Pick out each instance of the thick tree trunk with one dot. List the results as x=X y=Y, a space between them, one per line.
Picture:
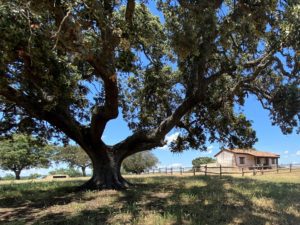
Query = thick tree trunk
x=17 y=174
x=106 y=173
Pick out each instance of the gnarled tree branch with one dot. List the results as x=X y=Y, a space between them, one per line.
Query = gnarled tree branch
x=141 y=141
x=56 y=116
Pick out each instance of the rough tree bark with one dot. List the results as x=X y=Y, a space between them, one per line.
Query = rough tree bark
x=106 y=171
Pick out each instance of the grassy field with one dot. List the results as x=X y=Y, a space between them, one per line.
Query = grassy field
x=268 y=199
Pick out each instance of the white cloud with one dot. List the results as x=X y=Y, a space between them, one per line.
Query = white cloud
x=286 y=152
x=165 y=147
x=210 y=149
x=169 y=139
x=172 y=137
x=298 y=153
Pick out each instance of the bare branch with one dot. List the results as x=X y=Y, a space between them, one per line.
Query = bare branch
x=56 y=35
x=259 y=65
x=259 y=61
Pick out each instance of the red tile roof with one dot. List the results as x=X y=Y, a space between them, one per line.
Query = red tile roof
x=250 y=152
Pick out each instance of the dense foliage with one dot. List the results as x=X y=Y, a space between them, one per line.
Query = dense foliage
x=202 y=160
x=22 y=152
x=139 y=162
x=68 y=67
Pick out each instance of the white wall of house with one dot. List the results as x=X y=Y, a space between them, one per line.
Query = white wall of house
x=271 y=163
x=248 y=160
x=225 y=159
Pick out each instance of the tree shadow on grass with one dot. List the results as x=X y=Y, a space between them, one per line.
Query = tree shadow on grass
x=190 y=200
x=22 y=196
x=20 y=201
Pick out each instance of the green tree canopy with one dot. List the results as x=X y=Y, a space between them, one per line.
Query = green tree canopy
x=202 y=160
x=22 y=152
x=68 y=67
x=74 y=156
x=139 y=162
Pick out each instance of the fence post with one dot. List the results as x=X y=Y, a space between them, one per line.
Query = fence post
x=290 y=168
x=159 y=171
x=153 y=171
x=262 y=170
x=180 y=171
x=194 y=171
x=171 y=170
x=242 y=171
x=220 y=171
x=205 y=173
x=166 y=170
x=254 y=171
x=277 y=168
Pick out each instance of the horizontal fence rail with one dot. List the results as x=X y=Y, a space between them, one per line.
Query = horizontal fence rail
x=224 y=170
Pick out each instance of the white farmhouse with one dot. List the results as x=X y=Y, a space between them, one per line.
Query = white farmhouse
x=246 y=158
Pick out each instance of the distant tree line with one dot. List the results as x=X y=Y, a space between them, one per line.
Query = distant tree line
x=21 y=151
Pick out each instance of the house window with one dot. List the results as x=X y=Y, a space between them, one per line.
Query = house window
x=273 y=161
x=242 y=160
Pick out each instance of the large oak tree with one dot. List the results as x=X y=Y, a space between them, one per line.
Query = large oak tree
x=69 y=67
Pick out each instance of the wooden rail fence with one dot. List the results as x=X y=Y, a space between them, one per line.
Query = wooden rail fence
x=224 y=170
